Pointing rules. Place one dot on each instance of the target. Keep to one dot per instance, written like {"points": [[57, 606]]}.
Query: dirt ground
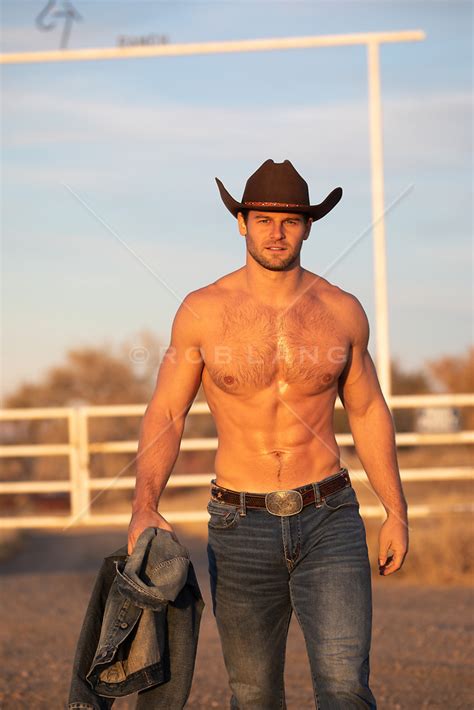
{"points": [[422, 650]]}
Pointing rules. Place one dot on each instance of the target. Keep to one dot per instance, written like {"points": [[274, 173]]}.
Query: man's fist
{"points": [[393, 536], [143, 519]]}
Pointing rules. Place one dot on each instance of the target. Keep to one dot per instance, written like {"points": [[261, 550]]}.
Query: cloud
{"points": [[418, 130]]}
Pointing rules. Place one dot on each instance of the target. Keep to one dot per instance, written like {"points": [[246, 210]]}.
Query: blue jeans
{"points": [[315, 563]]}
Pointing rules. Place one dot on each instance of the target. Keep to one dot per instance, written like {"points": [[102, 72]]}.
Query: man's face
{"points": [[274, 239]]}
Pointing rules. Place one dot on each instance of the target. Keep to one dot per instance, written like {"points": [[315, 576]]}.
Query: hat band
{"points": [[272, 204]]}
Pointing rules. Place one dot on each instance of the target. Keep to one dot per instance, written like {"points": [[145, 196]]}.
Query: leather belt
{"points": [[283, 502]]}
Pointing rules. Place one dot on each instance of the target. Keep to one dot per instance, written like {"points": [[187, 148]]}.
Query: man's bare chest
{"points": [[251, 347]]}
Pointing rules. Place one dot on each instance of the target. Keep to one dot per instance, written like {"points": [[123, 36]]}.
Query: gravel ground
{"points": [[422, 651]]}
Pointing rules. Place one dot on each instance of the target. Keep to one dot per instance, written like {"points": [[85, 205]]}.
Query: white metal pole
{"points": [[194, 48], [378, 220]]}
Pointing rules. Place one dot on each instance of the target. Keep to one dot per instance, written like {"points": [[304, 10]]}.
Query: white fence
{"points": [[79, 484]]}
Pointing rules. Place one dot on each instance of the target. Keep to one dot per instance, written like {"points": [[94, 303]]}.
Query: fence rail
{"points": [[80, 484]]}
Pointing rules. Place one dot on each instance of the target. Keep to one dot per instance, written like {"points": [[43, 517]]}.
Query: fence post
{"points": [[79, 464]]}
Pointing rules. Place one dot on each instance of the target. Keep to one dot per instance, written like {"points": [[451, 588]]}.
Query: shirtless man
{"points": [[273, 345]]}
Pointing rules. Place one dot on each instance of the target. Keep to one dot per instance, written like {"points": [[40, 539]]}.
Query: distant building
{"points": [[437, 420]]}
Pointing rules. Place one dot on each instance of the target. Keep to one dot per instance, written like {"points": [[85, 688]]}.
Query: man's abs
{"points": [[280, 469], [275, 446]]}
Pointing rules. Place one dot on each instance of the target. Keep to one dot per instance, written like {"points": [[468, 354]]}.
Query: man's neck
{"points": [[277, 288]]}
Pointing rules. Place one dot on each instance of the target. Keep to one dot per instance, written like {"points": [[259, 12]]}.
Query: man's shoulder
{"points": [[333, 294], [214, 291], [342, 304], [199, 297]]}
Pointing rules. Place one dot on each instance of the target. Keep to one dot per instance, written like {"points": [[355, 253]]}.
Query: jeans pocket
{"points": [[344, 498], [222, 516]]}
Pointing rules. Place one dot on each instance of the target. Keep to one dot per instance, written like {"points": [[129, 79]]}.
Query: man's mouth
{"points": [[276, 248]]}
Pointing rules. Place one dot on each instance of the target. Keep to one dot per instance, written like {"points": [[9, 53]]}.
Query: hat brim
{"points": [[314, 211]]}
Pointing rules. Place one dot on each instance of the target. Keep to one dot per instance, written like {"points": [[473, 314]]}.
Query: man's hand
{"points": [[146, 519], [393, 536]]}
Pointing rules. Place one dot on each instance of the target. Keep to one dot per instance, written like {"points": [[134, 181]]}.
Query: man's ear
{"points": [[242, 225], [308, 228]]}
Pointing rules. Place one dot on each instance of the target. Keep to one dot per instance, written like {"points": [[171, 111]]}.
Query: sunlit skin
{"points": [[273, 345]]}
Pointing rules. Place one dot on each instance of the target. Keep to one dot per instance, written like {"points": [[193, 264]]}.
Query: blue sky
{"points": [[108, 167]]}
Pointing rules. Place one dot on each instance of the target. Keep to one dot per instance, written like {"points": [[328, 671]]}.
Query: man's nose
{"points": [[278, 231]]}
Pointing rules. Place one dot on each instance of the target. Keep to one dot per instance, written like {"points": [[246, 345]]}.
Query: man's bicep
{"points": [[358, 384], [180, 371]]}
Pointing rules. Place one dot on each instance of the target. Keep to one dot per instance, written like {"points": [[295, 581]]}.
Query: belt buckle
{"points": [[284, 502]]}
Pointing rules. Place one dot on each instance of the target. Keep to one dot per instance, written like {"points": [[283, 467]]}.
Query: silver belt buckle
{"points": [[284, 502]]}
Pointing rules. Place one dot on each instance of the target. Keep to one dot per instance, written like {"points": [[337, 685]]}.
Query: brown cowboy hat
{"points": [[278, 187]]}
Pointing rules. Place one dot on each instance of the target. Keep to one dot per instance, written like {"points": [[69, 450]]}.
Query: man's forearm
{"points": [[158, 449], [374, 439]]}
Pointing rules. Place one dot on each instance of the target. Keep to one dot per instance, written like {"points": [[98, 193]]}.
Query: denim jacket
{"points": [[141, 627]]}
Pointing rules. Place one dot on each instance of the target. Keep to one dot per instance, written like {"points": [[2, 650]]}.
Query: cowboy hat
{"points": [[278, 187]]}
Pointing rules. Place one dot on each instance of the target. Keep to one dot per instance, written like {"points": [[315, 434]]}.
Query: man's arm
{"points": [[373, 431], [162, 426]]}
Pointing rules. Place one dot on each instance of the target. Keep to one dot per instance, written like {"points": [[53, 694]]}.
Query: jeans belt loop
{"points": [[317, 495], [243, 509]]}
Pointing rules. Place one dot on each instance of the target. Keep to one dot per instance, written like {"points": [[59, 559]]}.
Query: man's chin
{"points": [[277, 265]]}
